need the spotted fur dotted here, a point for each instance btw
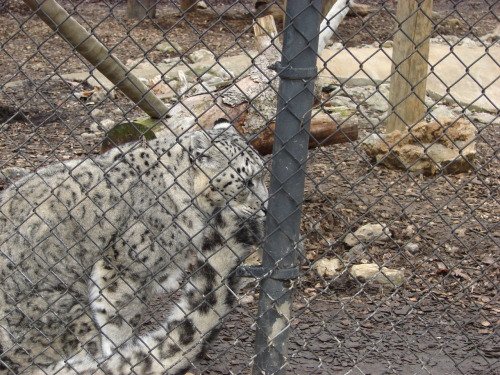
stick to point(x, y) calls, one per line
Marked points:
point(84, 245)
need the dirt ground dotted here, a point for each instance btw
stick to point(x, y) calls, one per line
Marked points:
point(443, 320)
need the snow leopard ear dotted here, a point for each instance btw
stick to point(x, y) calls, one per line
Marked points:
point(200, 142)
point(224, 125)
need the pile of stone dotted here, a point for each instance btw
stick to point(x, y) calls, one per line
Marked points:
point(444, 145)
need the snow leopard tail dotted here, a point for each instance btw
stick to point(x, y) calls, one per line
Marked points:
point(207, 297)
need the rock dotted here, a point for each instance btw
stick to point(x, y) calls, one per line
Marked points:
point(493, 36)
point(368, 233)
point(354, 252)
point(384, 276)
point(339, 112)
point(247, 299)
point(379, 100)
point(217, 82)
point(340, 101)
point(452, 22)
point(485, 118)
point(7, 175)
point(126, 132)
point(459, 73)
point(201, 5)
point(95, 127)
point(87, 135)
point(441, 111)
point(412, 247)
point(118, 111)
point(169, 47)
point(202, 55)
point(446, 145)
point(328, 267)
point(360, 10)
point(97, 112)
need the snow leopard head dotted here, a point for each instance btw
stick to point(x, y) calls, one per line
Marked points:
point(229, 172)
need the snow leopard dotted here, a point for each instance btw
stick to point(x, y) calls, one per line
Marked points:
point(86, 244)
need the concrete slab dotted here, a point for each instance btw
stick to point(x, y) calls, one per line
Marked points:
point(465, 75)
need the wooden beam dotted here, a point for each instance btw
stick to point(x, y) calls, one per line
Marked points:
point(410, 64)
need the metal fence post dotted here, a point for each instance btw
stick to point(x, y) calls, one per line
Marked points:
point(297, 71)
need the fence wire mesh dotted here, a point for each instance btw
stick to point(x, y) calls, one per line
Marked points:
point(399, 232)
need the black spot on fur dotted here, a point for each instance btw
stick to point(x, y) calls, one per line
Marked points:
point(248, 233)
point(136, 320)
point(220, 121)
point(183, 370)
point(187, 332)
point(212, 241)
point(218, 219)
point(147, 364)
point(172, 350)
point(232, 282)
point(207, 272)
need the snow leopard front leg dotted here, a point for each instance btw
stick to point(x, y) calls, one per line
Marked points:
point(120, 286)
point(207, 298)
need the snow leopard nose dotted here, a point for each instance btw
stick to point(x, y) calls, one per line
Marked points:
point(263, 207)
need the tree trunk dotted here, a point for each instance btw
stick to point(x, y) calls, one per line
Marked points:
point(140, 9)
point(188, 5)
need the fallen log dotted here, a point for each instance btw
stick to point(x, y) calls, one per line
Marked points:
point(323, 132)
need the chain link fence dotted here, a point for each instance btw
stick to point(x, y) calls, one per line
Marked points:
point(394, 268)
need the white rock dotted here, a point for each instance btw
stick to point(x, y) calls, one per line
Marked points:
point(103, 125)
point(202, 55)
point(87, 135)
point(247, 299)
point(354, 252)
point(442, 111)
point(169, 47)
point(384, 276)
point(201, 5)
point(118, 111)
point(367, 233)
point(485, 118)
point(95, 127)
point(97, 112)
point(412, 247)
point(378, 102)
point(328, 267)
point(107, 124)
point(341, 101)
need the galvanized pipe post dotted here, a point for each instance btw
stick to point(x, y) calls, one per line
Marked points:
point(297, 71)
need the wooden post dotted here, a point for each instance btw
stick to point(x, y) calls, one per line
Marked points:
point(140, 9)
point(188, 5)
point(410, 64)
